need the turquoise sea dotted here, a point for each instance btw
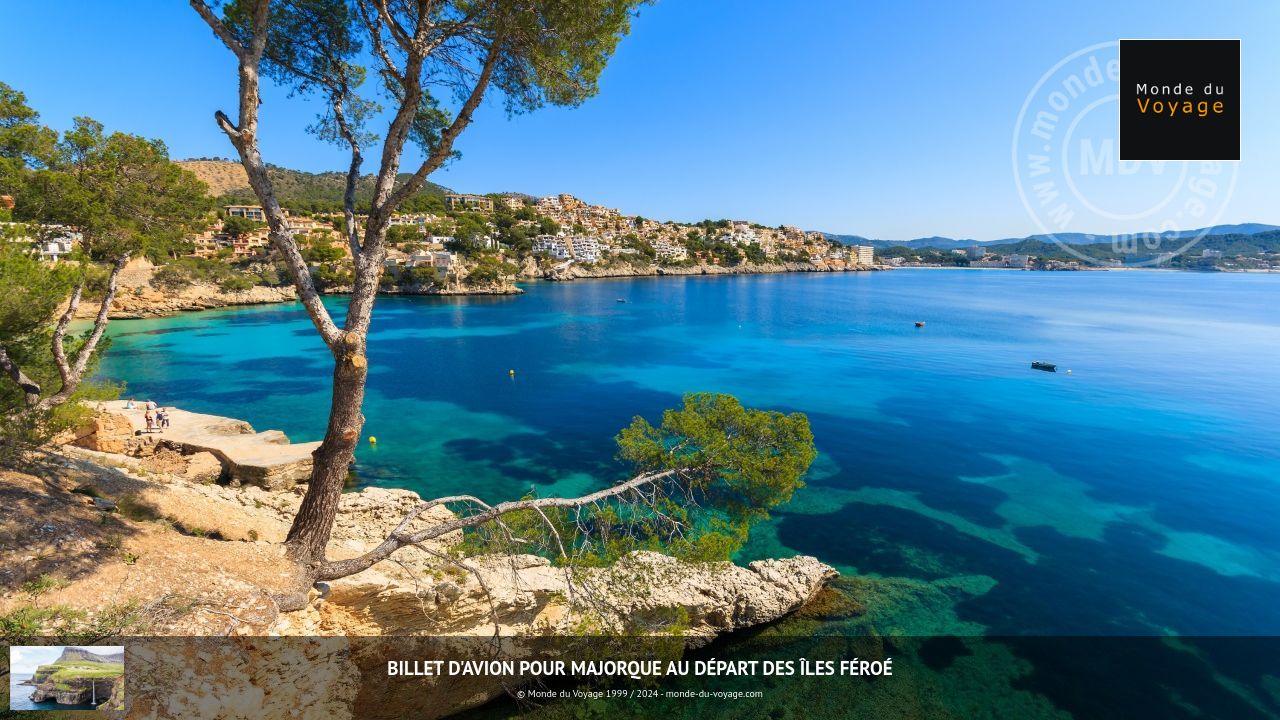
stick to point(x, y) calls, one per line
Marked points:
point(967, 493)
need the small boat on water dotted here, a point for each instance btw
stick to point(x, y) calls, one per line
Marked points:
point(919, 323)
point(621, 300)
point(1042, 365)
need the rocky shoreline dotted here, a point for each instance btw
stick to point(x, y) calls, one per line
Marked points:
point(144, 301)
point(576, 271)
point(150, 525)
point(138, 299)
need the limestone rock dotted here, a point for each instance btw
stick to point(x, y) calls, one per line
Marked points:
point(107, 432)
point(329, 660)
point(203, 467)
point(267, 459)
point(138, 299)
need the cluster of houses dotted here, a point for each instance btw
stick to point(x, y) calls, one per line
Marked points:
point(252, 242)
point(582, 248)
point(440, 262)
point(588, 234)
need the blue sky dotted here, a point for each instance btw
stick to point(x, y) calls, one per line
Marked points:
point(888, 119)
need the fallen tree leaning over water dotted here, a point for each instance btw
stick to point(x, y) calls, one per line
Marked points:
point(701, 478)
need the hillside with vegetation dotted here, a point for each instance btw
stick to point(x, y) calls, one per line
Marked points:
point(299, 190)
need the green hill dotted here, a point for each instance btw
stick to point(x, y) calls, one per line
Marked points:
point(299, 190)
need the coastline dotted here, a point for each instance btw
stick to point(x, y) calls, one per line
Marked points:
point(140, 300)
point(147, 521)
point(144, 301)
point(576, 272)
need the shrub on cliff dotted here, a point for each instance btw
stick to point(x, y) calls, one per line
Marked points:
point(715, 467)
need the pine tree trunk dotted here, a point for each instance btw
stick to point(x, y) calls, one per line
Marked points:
point(313, 524)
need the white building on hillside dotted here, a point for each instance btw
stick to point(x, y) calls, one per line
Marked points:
point(551, 245)
point(670, 251)
point(585, 248)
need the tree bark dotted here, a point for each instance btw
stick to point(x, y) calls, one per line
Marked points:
point(313, 525)
point(30, 388)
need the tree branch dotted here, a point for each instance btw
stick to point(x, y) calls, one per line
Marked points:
point(373, 23)
point(73, 373)
point(353, 174)
point(397, 539)
point(244, 138)
point(397, 32)
point(30, 388)
point(444, 148)
point(60, 332)
point(219, 28)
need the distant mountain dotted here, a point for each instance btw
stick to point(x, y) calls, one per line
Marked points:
point(946, 243)
point(1230, 244)
point(941, 243)
point(76, 654)
point(315, 192)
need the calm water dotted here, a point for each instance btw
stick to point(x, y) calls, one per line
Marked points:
point(1136, 495)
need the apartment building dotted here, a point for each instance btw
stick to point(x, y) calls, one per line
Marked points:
point(551, 245)
point(863, 254)
point(459, 203)
point(668, 250)
point(584, 248)
point(248, 212)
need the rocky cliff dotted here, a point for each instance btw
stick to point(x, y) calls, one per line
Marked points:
point(72, 654)
point(78, 677)
point(204, 560)
point(72, 690)
point(141, 302)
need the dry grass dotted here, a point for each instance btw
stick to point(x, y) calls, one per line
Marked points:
point(221, 177)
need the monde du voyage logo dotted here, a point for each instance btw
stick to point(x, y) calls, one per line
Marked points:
point(1179, 99)
point(1135, 135)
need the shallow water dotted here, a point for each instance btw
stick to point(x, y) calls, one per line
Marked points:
point(1135, 495)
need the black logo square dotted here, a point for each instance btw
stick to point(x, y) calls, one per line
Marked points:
point(1179, 99)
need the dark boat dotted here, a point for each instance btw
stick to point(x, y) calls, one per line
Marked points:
point(919, 323)
point(1045, 366)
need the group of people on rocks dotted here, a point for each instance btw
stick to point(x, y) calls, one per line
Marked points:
point(157, 417)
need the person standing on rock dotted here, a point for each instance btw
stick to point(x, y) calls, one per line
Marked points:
point(151, 406)
point(162, 419)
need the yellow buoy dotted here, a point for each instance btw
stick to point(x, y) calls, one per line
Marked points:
point(373, 440)
point(511, 372)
